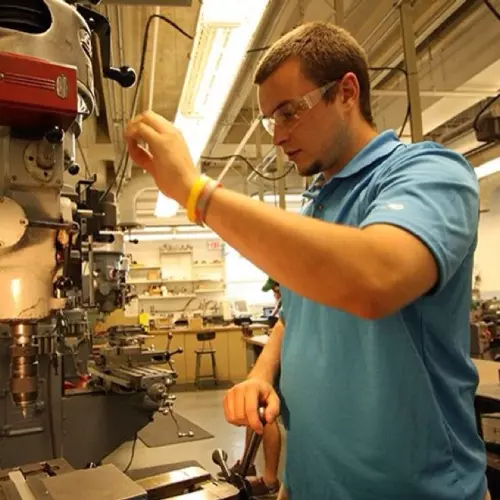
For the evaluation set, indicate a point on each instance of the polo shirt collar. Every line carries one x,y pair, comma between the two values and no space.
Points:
377,149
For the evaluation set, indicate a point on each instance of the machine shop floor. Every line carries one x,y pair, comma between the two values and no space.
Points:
203,408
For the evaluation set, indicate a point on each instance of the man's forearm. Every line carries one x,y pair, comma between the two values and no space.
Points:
323,262
268,363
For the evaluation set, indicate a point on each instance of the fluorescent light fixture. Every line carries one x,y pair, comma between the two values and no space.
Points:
488,168
223,35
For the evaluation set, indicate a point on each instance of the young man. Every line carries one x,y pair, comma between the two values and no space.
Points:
376,380
273,285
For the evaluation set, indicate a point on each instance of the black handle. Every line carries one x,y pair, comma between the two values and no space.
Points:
219,457
253,445
99,24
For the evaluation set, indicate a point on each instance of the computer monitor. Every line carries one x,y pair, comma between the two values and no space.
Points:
267,311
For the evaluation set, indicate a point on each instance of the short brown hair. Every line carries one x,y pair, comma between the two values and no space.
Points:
326,53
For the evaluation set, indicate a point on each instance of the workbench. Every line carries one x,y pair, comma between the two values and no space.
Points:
230,345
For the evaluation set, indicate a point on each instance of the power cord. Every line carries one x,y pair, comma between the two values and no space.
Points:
132,454
86,165
121,170
243,158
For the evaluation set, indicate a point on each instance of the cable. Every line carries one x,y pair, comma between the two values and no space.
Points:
132,454
122,167
388,68
483,109
87,169
405,121
243,158
492,9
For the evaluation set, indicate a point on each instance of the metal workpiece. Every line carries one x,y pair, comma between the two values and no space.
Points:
57,480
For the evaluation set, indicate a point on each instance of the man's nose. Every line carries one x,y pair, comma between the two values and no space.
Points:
280,135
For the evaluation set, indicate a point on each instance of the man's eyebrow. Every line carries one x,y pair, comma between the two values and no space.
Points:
281,103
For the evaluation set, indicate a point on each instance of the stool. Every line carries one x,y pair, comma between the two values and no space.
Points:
205,337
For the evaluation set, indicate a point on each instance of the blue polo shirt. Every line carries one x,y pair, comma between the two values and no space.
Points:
383,409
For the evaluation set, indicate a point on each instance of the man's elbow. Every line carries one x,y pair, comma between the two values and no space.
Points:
373,303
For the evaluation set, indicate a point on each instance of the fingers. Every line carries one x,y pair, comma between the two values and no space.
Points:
139,155
273,407
154,120
252,411
138,130
242,402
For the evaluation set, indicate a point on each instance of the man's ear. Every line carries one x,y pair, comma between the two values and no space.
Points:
349,89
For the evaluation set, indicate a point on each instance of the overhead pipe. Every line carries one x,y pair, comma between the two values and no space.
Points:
426,33
339,12
239,148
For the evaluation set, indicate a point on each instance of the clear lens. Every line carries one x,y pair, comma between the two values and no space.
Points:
268,124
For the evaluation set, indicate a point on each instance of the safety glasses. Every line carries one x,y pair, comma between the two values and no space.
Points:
288,114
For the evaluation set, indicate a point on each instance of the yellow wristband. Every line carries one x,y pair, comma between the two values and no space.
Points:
194,194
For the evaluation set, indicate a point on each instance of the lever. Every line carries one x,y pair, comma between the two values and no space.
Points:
219,457
253,445
125,76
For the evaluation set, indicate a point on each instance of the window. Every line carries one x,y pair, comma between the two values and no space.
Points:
244,281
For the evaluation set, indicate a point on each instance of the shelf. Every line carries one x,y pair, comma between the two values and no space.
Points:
177,252
145,282
209,290
212,264
145,268
160,281
169,297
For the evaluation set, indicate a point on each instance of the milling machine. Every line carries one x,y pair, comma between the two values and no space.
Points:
61,252
61,256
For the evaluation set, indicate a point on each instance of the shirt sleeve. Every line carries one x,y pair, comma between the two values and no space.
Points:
433,194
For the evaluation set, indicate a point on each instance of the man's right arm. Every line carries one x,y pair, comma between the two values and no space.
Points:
242,401
268,363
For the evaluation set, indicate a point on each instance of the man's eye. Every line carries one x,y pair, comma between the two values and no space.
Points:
288,114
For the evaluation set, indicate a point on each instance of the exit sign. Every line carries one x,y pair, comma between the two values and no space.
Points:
214,245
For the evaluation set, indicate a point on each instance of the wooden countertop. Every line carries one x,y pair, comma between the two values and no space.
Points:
488,371
258,340
180,329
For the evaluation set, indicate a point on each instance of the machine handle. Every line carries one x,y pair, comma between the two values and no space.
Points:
219,457
253,445
124,76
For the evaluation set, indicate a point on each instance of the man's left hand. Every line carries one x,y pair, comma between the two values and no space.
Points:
167,156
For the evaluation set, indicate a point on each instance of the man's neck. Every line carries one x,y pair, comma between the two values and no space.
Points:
363,135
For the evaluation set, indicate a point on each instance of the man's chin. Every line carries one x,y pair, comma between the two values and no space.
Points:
308,169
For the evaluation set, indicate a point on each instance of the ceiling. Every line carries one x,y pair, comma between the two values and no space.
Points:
458,65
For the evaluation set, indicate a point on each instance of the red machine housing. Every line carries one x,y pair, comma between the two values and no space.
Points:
35,93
